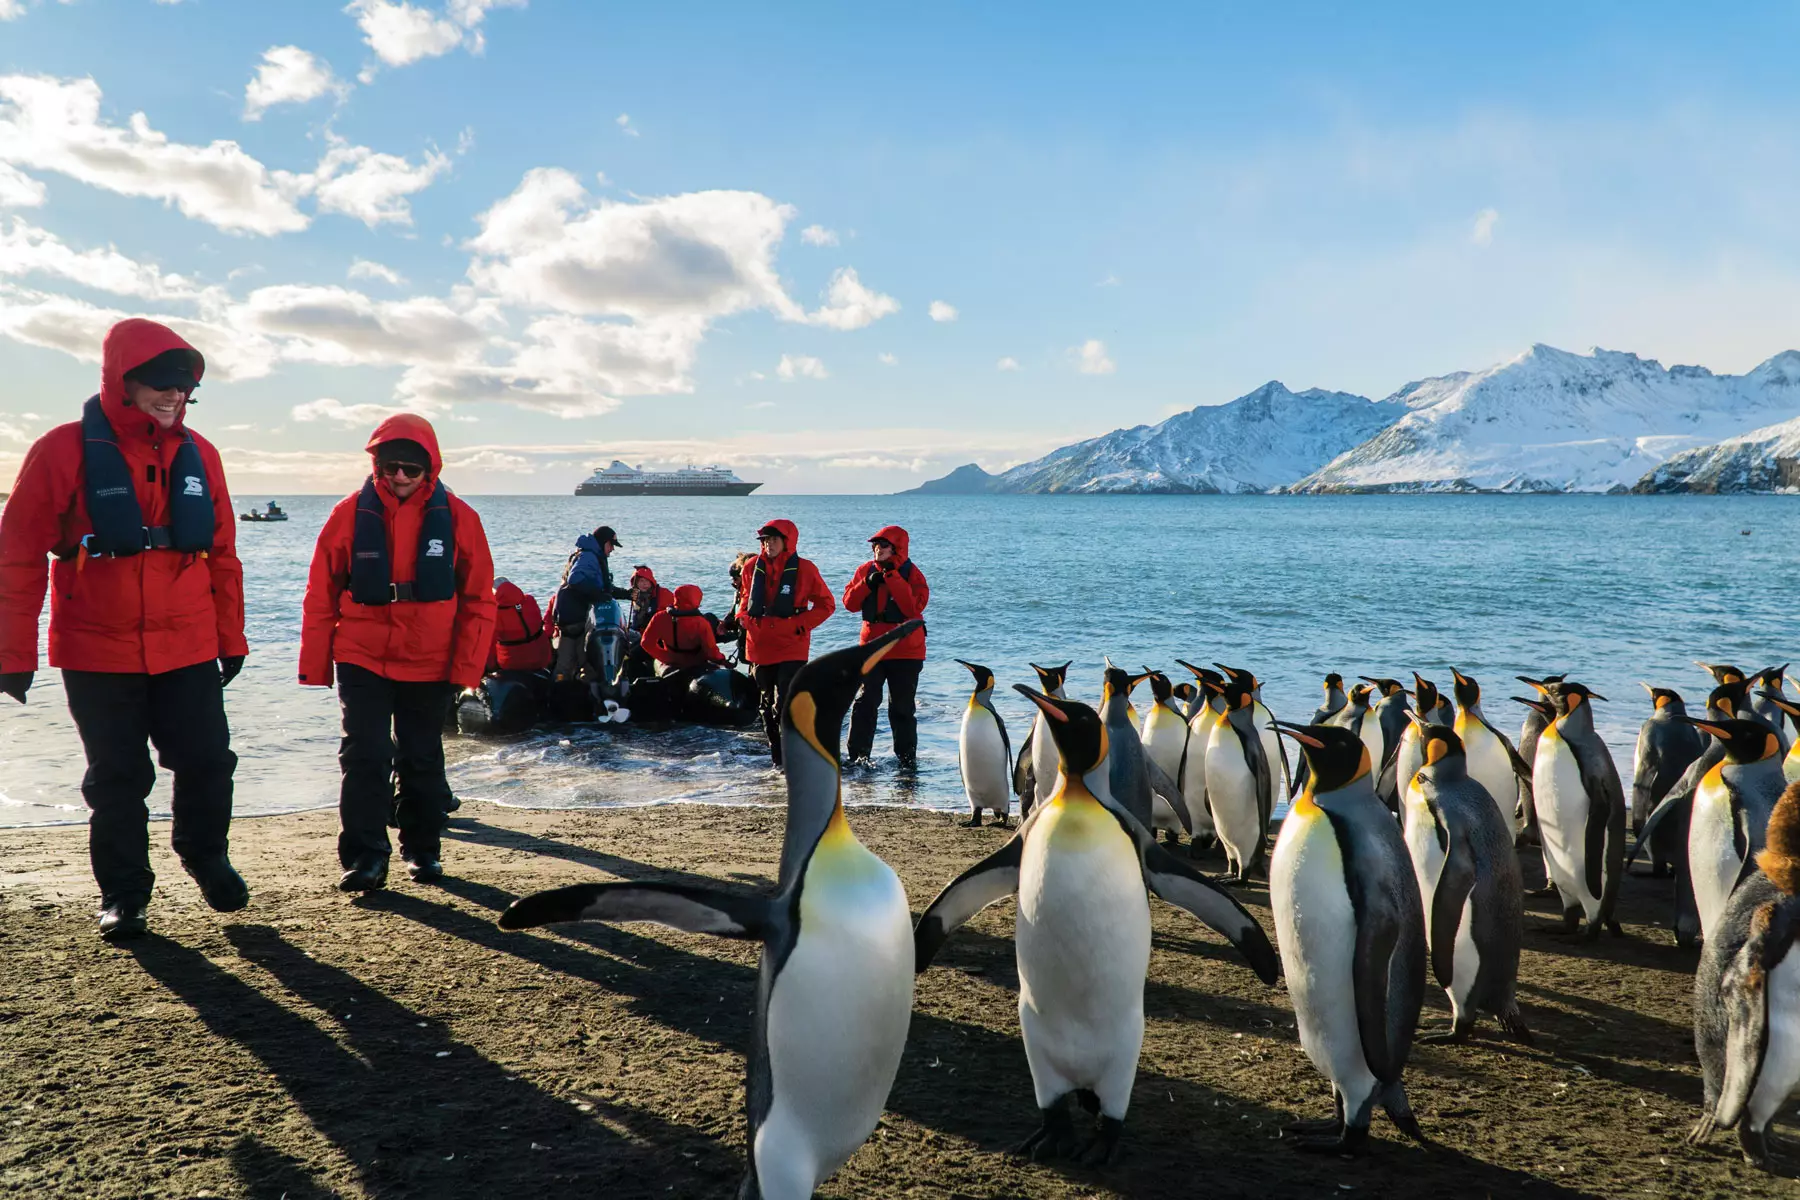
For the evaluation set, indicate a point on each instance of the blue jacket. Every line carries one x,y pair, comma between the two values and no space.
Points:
588,579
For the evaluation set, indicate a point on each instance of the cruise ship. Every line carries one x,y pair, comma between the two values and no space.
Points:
622,480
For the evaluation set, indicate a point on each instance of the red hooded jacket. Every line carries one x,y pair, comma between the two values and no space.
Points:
410,642
521,635
682,641
909,595
144,614
769,639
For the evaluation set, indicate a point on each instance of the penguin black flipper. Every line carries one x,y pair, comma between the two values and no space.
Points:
1022,773
1673,807
677,905
1455,883
1605,826
1378,923
993,878
1162,785
1745,988
1210,904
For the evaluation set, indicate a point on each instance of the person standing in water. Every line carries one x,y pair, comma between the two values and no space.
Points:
146,614
887,590
399,609
784,599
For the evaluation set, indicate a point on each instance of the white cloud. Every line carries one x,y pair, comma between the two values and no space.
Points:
940,311
1091,358
54,125
342,327
876,462
363,416
1009,363
760,405
818,235
402,33
289,75
623,121
19,190
11,10
27,250
362,268
488,460
76,328
801,366
299,470
1111,280
1482,233
372,187
850,305
886,359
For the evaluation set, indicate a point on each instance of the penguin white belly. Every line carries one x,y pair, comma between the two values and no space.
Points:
1780,1072
1272,750
1410,758
1562,811
1164,737
1045,766
837,1018
1316,927
1193,783
1491,766
1083,945
1466,960
1424,848
987,776
1231,791
1713,860
1371,740
1790,766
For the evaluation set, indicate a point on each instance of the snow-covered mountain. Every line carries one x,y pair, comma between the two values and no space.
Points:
1750,462
1552,421
1253,444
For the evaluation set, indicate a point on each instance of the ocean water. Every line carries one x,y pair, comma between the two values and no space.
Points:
1613,590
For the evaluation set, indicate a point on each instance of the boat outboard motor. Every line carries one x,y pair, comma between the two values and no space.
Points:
607,645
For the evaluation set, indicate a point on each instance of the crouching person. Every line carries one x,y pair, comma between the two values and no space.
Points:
399,611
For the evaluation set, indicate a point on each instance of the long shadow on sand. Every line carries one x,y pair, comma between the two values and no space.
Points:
414,1123
479,833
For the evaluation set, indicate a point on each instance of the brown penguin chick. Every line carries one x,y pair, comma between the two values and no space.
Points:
1780,857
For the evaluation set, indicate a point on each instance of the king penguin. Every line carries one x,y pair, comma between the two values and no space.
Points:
1188,699
1192,780
1730,814
1335,699
1388,711
984,755
1790,765
1493,762
1580,810
834,995
1352,935
1274,749
1239,784
1530,731
1132,777
1469,885
1430,709
1080,866
1667,744
1747,996
1766,693
1035,774
1165,737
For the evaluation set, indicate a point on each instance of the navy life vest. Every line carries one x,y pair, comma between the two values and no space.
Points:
890,614
112,502
371,568
783,605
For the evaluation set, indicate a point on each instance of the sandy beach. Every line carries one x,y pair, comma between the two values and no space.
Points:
319,1046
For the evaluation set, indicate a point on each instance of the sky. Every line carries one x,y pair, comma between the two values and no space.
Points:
846,248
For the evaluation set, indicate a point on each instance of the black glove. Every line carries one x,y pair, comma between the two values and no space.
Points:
16,684
875,574
229,668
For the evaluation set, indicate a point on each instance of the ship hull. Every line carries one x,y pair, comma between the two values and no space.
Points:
644,489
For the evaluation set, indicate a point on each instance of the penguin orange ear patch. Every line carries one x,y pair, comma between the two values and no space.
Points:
1436,749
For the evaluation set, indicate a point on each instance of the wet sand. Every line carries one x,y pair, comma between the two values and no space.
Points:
319,1046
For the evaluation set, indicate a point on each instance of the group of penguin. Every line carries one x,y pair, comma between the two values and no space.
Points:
1398,849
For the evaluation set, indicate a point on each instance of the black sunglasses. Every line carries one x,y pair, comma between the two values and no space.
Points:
410,470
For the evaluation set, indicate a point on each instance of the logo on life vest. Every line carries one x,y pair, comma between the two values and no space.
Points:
435,548
785,589
194,486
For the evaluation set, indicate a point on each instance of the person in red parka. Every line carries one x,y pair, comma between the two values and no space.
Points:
784,599
399,609
680,637
521,635
146,613
887,590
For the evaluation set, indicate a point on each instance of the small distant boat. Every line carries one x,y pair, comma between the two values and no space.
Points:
271,513
621,480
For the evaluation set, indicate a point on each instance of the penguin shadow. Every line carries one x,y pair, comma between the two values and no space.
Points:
1598,1035
499,837
266,1171
414,1111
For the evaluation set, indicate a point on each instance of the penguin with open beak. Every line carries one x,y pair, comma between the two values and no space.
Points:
834,997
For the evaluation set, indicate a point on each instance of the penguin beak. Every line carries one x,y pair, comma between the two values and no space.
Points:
1197,672
973,669
1542,708
1598,696
820,695
1297,733
1717,731
1045,703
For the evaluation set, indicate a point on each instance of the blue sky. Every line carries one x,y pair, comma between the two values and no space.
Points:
844,248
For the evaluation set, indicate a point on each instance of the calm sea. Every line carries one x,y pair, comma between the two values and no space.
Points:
1612,589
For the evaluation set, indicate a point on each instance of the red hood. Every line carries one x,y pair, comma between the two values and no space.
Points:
644,573
688,595
132,343
413,427
787,530
896,536
508,594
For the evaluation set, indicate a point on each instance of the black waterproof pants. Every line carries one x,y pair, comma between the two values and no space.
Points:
902,681
181,713
393,733
772,681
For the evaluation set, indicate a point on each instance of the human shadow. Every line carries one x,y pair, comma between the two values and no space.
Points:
266,1171
412,1109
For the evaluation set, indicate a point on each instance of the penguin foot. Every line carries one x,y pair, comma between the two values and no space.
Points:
1755,1145
1549,889
1104,1149
1591,932
1329,1127
1351,1143
974,822
1616,929
1514,1024
1000,822
1455,1035
1055,1138
1702,1130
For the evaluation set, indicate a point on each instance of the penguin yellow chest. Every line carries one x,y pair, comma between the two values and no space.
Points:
838,1011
